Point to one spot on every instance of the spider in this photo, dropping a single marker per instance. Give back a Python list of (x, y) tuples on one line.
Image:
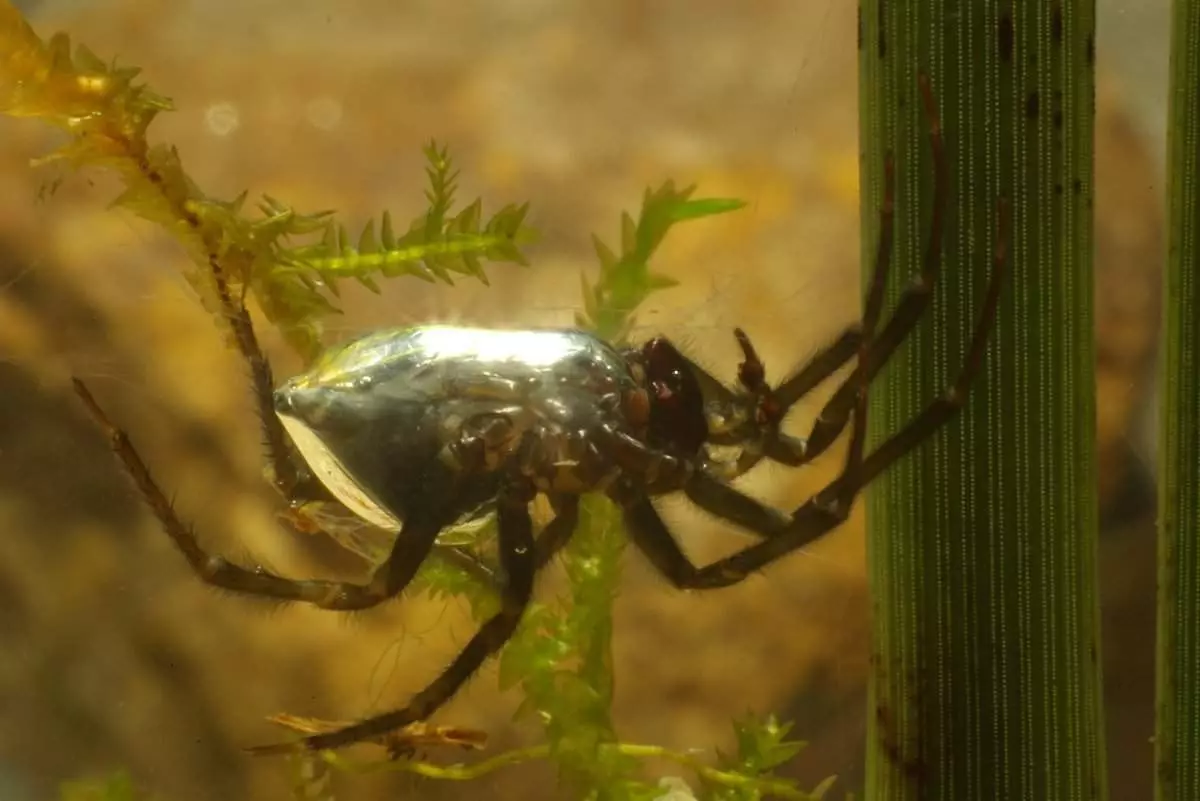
[(420, 428)]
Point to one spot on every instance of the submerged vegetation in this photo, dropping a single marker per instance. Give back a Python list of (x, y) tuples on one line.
[(289, 263), (982, 547), (1177, 735)]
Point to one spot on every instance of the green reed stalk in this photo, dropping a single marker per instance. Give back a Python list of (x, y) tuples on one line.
[(982, 545), (1177, 741)]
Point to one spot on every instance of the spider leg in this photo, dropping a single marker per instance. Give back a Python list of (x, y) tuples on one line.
[(288, 473), (557, 533), (911, 305), (832, 357), (828, 508), (795, 451), (775, 444), (823, 364), (517, 558), (944, 408), (665, 472), (775, 403), (820, 514), (548, 543), (728, 503), (414, 543)]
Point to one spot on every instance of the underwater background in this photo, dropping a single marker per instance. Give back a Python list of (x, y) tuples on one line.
[(114, 656)]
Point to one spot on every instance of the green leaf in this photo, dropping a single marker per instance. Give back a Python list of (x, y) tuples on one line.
[(694, 209), (625, 279)]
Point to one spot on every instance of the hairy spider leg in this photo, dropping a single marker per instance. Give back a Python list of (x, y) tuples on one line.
[(718, 497), (288, 473), (414, 543), (519, 565), (711, 492), (873, 352), (911, 306), (521, 558), (557, 533), (830, 507)]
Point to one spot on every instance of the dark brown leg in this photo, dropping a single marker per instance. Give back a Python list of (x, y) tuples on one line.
[(776, 403), (557, 533), (412, 545), (828, 508), (288, 473), (912, 304), (517, 558)]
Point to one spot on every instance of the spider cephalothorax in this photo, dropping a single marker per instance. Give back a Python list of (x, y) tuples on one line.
[(416, 429), (677, 414)]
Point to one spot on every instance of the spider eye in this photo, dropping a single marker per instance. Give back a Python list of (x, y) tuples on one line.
[(677, 405)]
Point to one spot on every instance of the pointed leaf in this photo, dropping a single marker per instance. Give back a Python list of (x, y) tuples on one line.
[(694, 209), (590, 301), (366, 240), (608, 259), (386, 237), (655, 281), (628, 234)]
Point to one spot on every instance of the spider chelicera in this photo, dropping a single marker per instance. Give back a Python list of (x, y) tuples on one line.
[(417, 429)]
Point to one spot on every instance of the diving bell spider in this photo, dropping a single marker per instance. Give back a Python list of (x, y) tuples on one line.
[(416, 429)]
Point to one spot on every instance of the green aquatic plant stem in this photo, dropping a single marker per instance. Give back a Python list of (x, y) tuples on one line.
[(982, 544), (764, 787), (1177, 736), (562, 654)]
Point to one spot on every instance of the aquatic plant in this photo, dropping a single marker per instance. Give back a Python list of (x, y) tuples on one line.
[(1177, 735), (290, 264), (985, 679)]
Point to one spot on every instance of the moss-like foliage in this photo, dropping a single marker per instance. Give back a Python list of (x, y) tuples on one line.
[(290, 263)]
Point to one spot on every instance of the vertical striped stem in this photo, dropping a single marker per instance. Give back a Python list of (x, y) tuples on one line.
[(1177, 741), (982, 545)]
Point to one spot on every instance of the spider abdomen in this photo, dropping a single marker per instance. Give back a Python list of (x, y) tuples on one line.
[(429, 414)]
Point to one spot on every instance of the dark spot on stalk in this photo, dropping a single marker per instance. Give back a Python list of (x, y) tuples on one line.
[(1004, 36), (1056, 24), (1032, 105)]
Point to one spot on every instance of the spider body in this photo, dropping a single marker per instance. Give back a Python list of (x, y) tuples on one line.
[(416, 429), (433, 415)]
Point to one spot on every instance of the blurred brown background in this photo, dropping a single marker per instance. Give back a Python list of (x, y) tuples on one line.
[(113, 655)]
